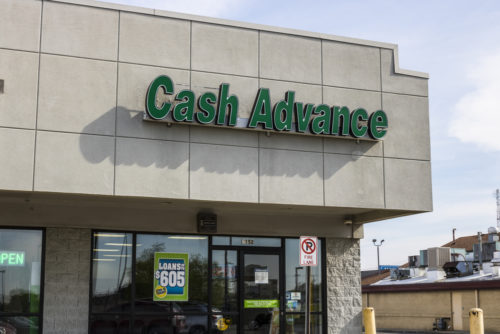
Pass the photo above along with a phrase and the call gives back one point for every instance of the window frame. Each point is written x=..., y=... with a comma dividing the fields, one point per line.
x=38, y=314
x=324, y=304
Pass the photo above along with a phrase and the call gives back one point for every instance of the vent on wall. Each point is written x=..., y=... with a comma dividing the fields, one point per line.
x=1, y=86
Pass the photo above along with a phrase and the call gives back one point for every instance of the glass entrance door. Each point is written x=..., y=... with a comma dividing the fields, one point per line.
x=246, y=291
x=261, y=303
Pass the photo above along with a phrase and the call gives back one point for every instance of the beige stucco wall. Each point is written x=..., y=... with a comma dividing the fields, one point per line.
x=75, y=83
x=489, y=303
x=409, y=310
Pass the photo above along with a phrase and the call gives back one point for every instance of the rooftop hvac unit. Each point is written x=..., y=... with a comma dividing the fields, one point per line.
x=414, y=261
x=477, y=251
x=493, y=237
x=424, y=259
x=438, y=256
x=458, y=254
x=399, y=274
x=458, y=269
x=489, y=248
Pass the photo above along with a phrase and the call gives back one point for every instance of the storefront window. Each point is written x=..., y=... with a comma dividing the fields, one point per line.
x=195, y=246
x=295, y=323
x=124, y=280
x=245, y=276
x=296, y=289
x=112, y=272
x=20, y=280
x=224, y=280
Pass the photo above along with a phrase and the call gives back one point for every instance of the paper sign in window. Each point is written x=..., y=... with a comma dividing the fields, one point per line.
x=261, y=276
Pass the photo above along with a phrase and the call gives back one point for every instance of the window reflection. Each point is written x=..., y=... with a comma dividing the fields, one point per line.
x=224, y=280
x=295, y=323
x=117, y=307
x=20, y=285
x=19, y=325
x=112, y=271
x=110, y=324
x=20, y=267
x=296, y=280
x=195, y=246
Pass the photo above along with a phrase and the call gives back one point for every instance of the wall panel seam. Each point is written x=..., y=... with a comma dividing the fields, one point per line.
x=116, y=102
x=77, y=57
x=382, y=107
x=222, y=73
x=190, y=87
x=37, y=99
x=405, y=94
x=322, y=139
x=16, y=128
x=20, y=50
x=207, y=143
x=258, y=135
x=408, y=159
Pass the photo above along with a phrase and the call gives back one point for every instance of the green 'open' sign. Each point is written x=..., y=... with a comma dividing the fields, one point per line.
x=12, y=258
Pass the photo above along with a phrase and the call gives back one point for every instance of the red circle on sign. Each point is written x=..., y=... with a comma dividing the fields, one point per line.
x=312, y=247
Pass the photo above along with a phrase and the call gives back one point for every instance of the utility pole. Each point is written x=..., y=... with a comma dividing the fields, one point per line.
x=378, y=252
x=297, y=277
x=480, y=239
x=498, y=207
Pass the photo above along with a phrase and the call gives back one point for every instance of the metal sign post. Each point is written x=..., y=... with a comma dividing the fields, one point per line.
x=308, y=301
x=308, y=257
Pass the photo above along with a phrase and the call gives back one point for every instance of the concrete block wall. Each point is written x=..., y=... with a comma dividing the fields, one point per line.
x=67, y=277
x=395, y=313
x=343, y=279
x=75, y=82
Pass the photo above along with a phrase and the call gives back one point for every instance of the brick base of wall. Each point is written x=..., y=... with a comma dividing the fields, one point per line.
x=343, y=286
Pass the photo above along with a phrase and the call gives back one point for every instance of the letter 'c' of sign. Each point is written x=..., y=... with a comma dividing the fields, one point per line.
x=153, y=111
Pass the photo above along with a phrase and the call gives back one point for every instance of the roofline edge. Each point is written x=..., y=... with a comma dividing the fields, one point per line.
x=254, y=26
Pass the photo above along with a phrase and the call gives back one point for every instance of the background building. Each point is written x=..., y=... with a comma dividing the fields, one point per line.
x=436, y=289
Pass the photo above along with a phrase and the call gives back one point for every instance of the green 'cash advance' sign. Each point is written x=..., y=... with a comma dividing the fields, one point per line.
x=286, y=115
x=12, y=259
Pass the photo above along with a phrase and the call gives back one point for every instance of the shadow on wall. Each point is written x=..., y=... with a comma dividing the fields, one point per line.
x=134, y=154
x=145, y=152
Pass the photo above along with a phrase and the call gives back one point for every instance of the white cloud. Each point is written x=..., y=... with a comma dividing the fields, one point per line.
x=477, y=114
x=214, y=8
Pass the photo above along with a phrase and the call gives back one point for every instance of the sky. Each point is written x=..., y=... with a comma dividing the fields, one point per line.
x=458, y=44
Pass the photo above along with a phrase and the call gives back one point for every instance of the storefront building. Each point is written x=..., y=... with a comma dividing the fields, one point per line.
x=157, y=170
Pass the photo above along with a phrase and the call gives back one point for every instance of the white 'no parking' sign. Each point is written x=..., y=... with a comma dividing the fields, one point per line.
x=308, y=251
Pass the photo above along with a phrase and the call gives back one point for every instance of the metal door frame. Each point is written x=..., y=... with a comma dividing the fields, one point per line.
x=241, y=251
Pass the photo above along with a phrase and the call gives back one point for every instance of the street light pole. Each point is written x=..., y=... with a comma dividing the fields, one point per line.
x=297, y=277
x=378, y=254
